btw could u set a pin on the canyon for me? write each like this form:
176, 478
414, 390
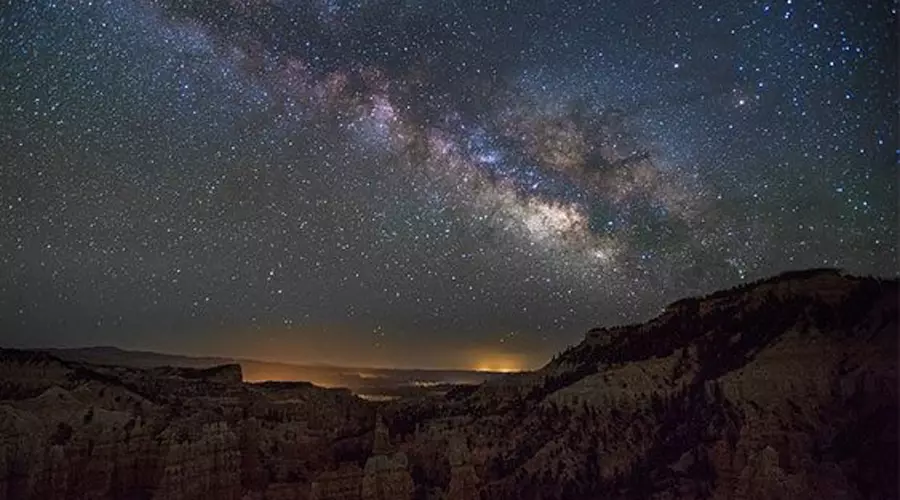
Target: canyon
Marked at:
781, 388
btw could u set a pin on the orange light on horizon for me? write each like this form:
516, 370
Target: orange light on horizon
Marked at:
497, 369
500, 363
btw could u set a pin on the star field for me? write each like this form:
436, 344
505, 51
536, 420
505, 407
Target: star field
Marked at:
378, 182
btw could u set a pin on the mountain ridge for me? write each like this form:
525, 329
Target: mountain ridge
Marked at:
804, 335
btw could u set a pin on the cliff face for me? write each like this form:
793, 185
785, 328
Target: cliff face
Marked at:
784, 388
69, 430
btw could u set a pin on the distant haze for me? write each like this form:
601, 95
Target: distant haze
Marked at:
371, 381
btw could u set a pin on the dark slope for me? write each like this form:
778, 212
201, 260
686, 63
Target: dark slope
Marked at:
783, 388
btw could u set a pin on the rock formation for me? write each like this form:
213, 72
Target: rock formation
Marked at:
70, 430
784, 388
385, 475
463, 478
344, 483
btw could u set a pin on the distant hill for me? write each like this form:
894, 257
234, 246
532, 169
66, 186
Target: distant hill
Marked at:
781, 388
367, 381
108, 355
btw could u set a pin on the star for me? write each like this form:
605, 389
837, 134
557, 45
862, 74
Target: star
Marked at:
181, 176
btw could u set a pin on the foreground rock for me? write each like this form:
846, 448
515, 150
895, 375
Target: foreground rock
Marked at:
76, 431
784, 388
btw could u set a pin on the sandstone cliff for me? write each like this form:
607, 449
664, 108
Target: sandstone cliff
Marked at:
70, 430
784, 388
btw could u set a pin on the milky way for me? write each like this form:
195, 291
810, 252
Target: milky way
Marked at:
411, 183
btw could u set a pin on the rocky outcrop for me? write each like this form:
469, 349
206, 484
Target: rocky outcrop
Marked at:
463, 478
784, 388
344, 483
385, 476
71, 430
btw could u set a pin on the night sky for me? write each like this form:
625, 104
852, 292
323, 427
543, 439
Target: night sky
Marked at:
408, 183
